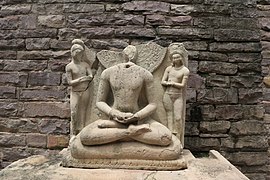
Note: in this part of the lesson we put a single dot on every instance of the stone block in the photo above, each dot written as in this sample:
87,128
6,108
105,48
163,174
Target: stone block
241,11
215,126
147,6
109,43
248,158
217,80
218,96
10,22
249,67
191,95
96,32
76,8
254,111
46,109
218,67
252,142
57,65
245,81
35,33
36,140
12,44
44,78
250,96
28,22
112,7
53,126
264,24
130,31
9,109
25,65
8,54
18,79
37,43
68,34
208,112
196,144
247,127
15,9
46,93
212,56
244,57
229,112
186,33
18,125
191,129
7,92
57,141
59,45
235,47
10,140
158,19
196,81
54,21
228,143
236,35
265,36
183,9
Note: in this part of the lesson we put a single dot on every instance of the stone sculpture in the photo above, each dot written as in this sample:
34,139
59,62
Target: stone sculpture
79,76
127,135
175,80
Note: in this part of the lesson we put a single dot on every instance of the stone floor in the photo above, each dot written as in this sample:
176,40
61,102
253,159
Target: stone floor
42,168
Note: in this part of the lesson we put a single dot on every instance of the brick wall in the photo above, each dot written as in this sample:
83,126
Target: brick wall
225,110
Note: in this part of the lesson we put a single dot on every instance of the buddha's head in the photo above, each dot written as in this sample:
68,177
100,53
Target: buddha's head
77,52
130,53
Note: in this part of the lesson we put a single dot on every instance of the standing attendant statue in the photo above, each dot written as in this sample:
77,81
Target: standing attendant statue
175,80
79,76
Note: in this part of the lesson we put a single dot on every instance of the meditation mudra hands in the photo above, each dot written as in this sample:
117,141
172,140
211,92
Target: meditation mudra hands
123,117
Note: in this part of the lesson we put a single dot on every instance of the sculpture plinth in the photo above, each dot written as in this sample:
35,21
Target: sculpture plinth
130,130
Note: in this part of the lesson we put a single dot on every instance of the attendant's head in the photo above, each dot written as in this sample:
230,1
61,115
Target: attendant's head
130,53
177,59
77,52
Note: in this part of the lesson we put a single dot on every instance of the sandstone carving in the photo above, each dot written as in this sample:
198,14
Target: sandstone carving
79,76
128,128
175,80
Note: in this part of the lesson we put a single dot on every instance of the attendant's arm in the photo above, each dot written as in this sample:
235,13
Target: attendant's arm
70,81
164,80
184,81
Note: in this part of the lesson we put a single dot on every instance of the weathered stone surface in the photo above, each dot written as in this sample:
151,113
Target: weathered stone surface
15,9
8,54
12,44
36,140
44,78
247,158
59,45
254,112
217,96
10,22
249,67
196,81
229,112
252,142
57,141
195,45
46,109
217,80
245,57
157,19
212,56
96,32
7,92
109,43
214,127
9,140
53,126
67,34
54,21
236,35
250,96
228,143
217,67
235,47
37,43
42,54
35,33
9,109
57,65
191,95
46,93
247,127
28,22
245,81
24,65
264,24
192,129
201,144
182,9
208,112
18,125
186,33
147,6
13,78
71,8
112,7
130,31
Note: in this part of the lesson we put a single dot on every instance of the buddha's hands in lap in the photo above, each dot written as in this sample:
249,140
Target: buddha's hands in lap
123,117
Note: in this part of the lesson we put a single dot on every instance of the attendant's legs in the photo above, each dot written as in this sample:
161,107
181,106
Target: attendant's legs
74,99
168,105
178,117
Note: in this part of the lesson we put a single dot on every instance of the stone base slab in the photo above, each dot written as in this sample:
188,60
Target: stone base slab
178,164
